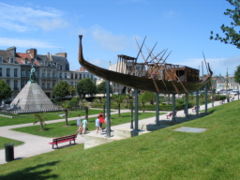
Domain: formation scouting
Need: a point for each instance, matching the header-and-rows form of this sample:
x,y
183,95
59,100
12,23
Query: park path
x,y
34,145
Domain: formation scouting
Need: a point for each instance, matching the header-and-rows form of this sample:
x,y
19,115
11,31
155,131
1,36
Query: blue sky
x,y
111,27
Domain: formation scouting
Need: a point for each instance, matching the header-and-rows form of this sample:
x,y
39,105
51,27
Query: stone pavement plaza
x,y
34,145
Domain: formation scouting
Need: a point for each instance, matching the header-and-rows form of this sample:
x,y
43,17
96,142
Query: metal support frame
x,y
206,99
197,103
213,93
135,110
186,105
238,92
131,108
108,108
174,107
157,108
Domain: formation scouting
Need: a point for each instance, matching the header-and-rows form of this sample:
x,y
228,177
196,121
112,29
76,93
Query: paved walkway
x,y
34,145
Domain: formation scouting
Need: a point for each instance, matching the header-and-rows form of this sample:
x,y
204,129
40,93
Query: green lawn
x,y
29,118
4,141
60,129
163,154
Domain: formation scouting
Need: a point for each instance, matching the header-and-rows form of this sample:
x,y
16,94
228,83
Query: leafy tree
x,y
74,102
101,88
66,106
237,74
72,90
145,97
40,119
86,86
231,32
61,89
5,90
118,98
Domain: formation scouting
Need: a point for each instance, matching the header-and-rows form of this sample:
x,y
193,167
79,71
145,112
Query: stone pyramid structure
x,y
32,99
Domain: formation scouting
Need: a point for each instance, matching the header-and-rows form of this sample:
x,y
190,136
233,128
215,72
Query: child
x,y
101,120
84,126
80,126
97,124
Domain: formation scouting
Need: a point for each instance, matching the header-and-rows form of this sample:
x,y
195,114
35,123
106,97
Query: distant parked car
x,y
234,92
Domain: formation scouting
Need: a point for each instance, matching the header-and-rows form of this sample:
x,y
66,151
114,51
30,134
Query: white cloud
x,y
25,43
21,18
110,41
218,65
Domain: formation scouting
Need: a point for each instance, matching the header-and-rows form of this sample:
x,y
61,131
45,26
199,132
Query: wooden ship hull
x,y
143,83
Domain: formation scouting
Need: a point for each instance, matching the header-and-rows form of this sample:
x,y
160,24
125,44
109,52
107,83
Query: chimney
x,y
63,54
32,52
12,50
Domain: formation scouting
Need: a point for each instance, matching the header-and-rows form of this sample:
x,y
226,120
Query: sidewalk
x,y
34,145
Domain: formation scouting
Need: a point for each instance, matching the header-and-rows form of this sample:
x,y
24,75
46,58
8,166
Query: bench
x,y
62,139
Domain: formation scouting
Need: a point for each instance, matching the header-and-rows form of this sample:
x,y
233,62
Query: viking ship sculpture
x,y
152,75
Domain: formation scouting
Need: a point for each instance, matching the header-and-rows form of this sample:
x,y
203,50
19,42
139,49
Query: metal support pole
x,y
135,110
197,103
174,107
206,98
213,99
131,125
186,105
104,105
108,108
238,92
157,108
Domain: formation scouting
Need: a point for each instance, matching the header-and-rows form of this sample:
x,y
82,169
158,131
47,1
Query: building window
x,y
0,72
8,82
8,72
15,72
1,59
23,73
15,85
10,60
43,85
60,75
48,85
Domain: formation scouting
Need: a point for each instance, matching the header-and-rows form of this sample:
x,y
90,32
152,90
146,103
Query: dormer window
x,y
10,60
1,59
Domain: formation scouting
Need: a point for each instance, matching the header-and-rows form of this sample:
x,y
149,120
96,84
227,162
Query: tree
x,y
66,106
237,74
72,90
231,32
86,86
118,98
146,96
5,90
40,119
61,90
101,88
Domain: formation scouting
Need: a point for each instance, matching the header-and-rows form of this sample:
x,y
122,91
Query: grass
x,y
59,129
29,118
164,154
4,141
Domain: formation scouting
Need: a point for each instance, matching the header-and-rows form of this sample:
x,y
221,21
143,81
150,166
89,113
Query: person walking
x,y
97,124
101,121
80,126
84,126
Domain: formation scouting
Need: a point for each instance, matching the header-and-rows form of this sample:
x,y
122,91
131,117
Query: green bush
x,y
220,97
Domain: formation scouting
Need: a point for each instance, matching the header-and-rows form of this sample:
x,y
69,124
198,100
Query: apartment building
x,y
15,69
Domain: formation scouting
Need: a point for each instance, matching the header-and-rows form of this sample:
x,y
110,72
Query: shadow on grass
x,y
32,173
178,120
